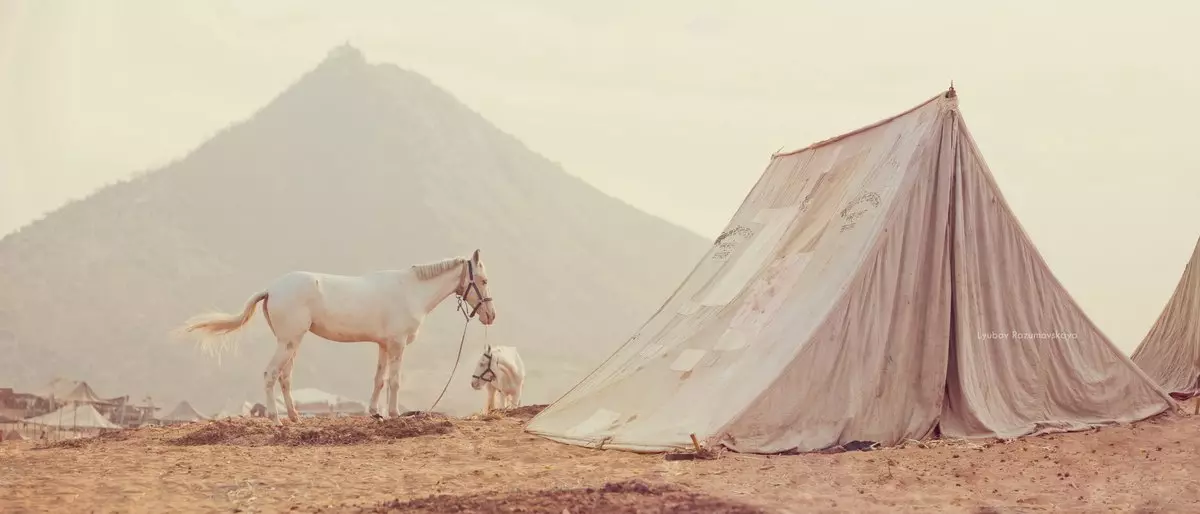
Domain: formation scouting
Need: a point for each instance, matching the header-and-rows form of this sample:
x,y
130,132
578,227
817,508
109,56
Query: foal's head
x,y
483,369
474,290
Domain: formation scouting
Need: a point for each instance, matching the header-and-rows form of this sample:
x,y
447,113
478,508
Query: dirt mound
x,y
526,412
633,496
65,443
83,442
315,431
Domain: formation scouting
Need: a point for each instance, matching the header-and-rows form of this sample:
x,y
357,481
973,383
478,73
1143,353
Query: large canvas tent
x,y
874,286
1170,352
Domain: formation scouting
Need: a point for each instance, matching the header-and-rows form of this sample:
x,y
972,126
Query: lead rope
x,y
461,341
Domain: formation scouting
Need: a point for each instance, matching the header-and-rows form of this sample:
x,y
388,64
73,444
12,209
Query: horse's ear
x,y
475,257
489,349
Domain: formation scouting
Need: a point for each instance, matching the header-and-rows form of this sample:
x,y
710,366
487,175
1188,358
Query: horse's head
x,y
474,290
483,370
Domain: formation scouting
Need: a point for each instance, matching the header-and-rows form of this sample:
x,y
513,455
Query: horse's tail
x,y
213,326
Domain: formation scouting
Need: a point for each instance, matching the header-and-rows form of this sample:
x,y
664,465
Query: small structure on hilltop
x,y
1170,352
183,413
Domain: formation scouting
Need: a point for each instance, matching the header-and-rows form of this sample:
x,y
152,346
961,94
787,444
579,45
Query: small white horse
x,y
501,368
383,307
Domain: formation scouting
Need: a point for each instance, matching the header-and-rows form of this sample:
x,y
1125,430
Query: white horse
x,y
383,307
501,368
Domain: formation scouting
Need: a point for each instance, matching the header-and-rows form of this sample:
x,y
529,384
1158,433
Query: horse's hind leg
x,y
274,368
285,379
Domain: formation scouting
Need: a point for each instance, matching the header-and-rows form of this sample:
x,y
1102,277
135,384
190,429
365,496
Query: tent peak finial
x,y
950,93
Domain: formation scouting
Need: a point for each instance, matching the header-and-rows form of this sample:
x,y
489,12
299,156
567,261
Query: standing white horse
x,y
501,368
383,307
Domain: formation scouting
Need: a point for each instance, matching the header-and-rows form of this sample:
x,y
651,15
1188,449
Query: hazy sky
x,y
1085,109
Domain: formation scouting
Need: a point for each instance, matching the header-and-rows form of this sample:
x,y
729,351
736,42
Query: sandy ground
x,y
490,465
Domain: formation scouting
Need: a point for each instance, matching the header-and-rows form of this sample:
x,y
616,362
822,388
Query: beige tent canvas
x,y
76,415
63,390
1170,353
184,412
874,286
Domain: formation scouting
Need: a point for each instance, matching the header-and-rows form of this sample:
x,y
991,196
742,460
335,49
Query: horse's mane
x,y
437,269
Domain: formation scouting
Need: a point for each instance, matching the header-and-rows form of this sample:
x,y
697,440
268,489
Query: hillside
x,y
355,167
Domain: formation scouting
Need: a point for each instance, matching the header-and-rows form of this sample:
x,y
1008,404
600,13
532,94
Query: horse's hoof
x,y
377,417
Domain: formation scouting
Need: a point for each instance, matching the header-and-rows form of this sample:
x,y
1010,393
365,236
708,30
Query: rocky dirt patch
x,y
524,413
315,431
83,442
633,496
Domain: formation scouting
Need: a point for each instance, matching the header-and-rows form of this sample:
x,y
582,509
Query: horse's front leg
x,y
491,399
380,372
395,359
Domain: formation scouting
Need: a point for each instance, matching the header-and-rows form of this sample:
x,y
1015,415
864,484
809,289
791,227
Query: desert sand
x,y
429,463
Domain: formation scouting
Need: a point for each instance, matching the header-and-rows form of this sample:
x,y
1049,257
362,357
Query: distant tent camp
x,y
234,410
62,391
183,413
1170,352
74,416
316,401
875,287
13,435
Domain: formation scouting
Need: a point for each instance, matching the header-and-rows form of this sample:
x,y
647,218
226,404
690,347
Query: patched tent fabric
x,y
1170,352
874,286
